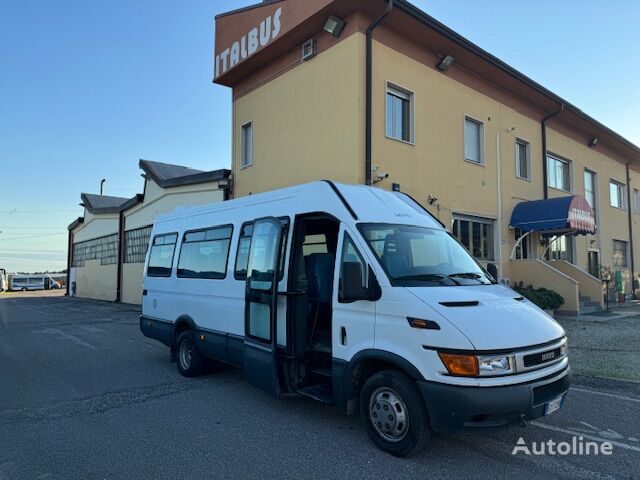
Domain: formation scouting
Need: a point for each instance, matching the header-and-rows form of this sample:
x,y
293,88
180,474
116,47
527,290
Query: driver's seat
x,y
395,262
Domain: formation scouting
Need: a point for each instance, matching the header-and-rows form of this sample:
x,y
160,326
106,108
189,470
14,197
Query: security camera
x,y
432,199
382,176
378,175
511,129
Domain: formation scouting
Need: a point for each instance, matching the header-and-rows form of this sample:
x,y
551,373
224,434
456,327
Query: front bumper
x,y
453,407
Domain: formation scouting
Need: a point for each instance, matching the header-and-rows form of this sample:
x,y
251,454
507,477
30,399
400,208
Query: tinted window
x,y
353,268
204,253
161,256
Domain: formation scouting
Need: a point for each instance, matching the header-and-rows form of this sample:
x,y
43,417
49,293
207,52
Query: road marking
x,y
585,435
620,397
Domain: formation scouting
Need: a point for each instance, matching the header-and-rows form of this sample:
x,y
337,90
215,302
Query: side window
x,y
244,242
161,256
353,268
242,256
204,253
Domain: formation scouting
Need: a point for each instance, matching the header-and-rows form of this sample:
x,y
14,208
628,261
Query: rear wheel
x,y
24,289
394,413
188,358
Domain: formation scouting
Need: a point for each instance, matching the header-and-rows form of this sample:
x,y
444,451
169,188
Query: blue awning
x,y
562,215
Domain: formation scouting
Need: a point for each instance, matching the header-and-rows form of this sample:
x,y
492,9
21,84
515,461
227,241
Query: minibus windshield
x,y
419,256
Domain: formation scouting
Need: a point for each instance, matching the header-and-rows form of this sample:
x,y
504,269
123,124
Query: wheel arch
x,y
350,376
182,323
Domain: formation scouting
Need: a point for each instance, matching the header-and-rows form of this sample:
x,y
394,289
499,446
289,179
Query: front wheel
x,y
188,358
394,413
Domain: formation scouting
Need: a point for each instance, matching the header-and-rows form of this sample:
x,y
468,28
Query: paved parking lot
x,y
84,395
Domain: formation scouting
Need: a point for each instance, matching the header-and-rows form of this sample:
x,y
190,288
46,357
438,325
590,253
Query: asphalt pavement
x,y
83,395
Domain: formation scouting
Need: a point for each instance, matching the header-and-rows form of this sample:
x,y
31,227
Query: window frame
x,y
226,262
621,193
482,221
594,177
129,254
520,142
173,255
636,201
286,222
243,142
236,274
390,88
626,253
481,147
569,164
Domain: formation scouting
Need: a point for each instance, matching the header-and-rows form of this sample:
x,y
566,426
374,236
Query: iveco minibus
x,y
354,296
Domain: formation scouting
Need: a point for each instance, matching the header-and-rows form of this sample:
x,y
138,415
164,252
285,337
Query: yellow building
x,y
378,92
108,244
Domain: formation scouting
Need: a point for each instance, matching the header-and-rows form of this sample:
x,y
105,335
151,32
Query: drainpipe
x,y
369,91
630,214
544,149
69,254
120,256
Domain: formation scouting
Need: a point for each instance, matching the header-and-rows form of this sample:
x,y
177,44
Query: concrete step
x,y
588,310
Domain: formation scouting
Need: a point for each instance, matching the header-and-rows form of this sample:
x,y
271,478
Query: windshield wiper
x,y
429,277
469,275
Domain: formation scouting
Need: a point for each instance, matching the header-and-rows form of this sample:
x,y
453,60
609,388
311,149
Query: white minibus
x,y
33,282
354,296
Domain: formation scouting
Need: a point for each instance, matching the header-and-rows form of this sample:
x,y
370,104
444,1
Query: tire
x,y
25,289
405,428
189,359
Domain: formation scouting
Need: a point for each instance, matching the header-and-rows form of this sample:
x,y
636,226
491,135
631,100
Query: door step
x,y
317,392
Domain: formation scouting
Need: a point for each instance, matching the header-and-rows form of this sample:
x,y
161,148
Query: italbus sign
x,y
258,37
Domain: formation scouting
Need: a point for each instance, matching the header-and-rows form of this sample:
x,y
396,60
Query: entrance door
x,y
594,264
261,298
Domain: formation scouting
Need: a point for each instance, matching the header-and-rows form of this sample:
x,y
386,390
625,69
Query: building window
x,y
561,248
619,254
161,256
616,193
204,253
246,145
400,114
636,200
473,141
136,243
476,234
590,189
523,160
104,249
559,173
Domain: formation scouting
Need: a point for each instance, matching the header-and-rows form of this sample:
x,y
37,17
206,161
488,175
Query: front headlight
x,y
489,365
478,365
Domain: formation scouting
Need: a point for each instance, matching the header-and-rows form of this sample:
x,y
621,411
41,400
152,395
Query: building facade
x,y
378,92
108,245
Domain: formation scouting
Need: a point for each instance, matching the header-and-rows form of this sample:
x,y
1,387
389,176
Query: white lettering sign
x,y
258,37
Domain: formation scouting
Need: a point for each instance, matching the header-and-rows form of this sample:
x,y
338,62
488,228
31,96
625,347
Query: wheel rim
x,y
388,414
185,353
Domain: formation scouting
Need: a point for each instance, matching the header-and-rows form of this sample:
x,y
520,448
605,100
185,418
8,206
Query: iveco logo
x,y
548,355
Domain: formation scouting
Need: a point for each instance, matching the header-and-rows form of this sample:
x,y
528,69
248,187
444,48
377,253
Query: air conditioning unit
x,y
309,49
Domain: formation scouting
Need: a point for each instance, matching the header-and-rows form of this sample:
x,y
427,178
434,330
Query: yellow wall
x,y
308,124
132,274
96,281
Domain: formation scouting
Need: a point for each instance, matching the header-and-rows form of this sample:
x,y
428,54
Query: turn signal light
x,y
461,365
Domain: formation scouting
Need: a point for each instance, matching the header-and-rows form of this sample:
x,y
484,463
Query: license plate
x,y
553,405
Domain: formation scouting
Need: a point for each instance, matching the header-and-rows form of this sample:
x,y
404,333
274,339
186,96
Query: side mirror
x,y
351,287
493,270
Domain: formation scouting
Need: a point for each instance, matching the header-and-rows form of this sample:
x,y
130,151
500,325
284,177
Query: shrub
x,y
542,297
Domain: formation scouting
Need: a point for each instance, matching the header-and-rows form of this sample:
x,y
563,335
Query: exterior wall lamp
x,y
445,63
334,26
593,142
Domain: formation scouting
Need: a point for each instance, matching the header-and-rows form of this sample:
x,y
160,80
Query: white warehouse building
x,y
108,244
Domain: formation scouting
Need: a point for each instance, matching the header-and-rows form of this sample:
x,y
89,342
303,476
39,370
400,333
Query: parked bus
x,y
353,296
33,282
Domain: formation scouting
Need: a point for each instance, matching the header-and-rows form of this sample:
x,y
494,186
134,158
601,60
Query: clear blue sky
x,y
87,88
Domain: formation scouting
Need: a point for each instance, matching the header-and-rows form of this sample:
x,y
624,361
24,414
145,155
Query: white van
x,y
353,296
33,282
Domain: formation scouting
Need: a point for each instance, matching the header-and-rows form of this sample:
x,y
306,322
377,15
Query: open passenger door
x,y
261,299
